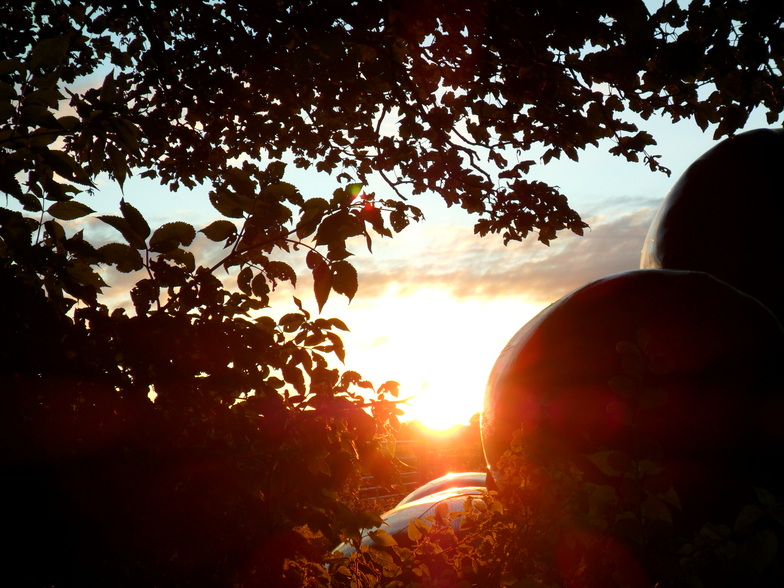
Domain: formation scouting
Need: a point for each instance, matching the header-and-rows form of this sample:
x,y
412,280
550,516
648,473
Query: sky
x,y
437,304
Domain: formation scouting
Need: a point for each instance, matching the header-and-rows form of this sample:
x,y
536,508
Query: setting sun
x,y
438,347
438,410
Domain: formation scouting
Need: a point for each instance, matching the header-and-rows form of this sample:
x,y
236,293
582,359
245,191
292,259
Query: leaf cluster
x,y
430,100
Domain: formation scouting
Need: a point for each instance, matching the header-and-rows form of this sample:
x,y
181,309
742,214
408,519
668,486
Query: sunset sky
x,y
436,304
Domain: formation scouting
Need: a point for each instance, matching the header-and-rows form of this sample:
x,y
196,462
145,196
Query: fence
x,y
425,460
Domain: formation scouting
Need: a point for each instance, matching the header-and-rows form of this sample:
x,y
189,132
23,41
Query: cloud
x,y
452,259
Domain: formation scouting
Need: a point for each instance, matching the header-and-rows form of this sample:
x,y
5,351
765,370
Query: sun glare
x,y
439,348
440,410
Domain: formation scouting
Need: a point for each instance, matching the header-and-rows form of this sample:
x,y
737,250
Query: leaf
x,y
414,531
47,97
259,286
291,321
337,346
398,220
7,92
275,171
219,230
344,279
338,324
749,515
127,133
391,387
48,53
280,191
601,501
655,509
171,235
293,375
281,271
66,166
442,511
10,185
68,123
181,257
312,212
381,538
122,225
84,274
69,210
764,496
118,164
108,92
612,463
135,219
124,257
322,277
225,203
368,519
243,280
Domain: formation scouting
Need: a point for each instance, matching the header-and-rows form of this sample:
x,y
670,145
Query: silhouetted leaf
x,y
122,225
171,235
243,280
219,230
344,279
49,52
69,210
66,166
126,258
135,219
322,277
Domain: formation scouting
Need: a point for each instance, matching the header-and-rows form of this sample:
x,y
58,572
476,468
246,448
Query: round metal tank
x,y
723,216
707,362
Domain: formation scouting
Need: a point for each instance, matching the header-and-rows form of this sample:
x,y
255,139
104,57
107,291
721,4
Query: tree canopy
x,y
241,468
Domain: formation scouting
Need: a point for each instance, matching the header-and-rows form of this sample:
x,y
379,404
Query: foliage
x,y
565,514
555,528
237,471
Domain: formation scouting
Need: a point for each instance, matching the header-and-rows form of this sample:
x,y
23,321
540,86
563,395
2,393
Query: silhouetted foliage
x,y
236,473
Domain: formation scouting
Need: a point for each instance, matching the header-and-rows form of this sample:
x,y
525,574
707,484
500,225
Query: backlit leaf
x,y
49,52
66,166
243,280
135,219
124,257
171,235
122,225
344,279
382,538
219,230
414,532
69,210
225,203
338,324
322,277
